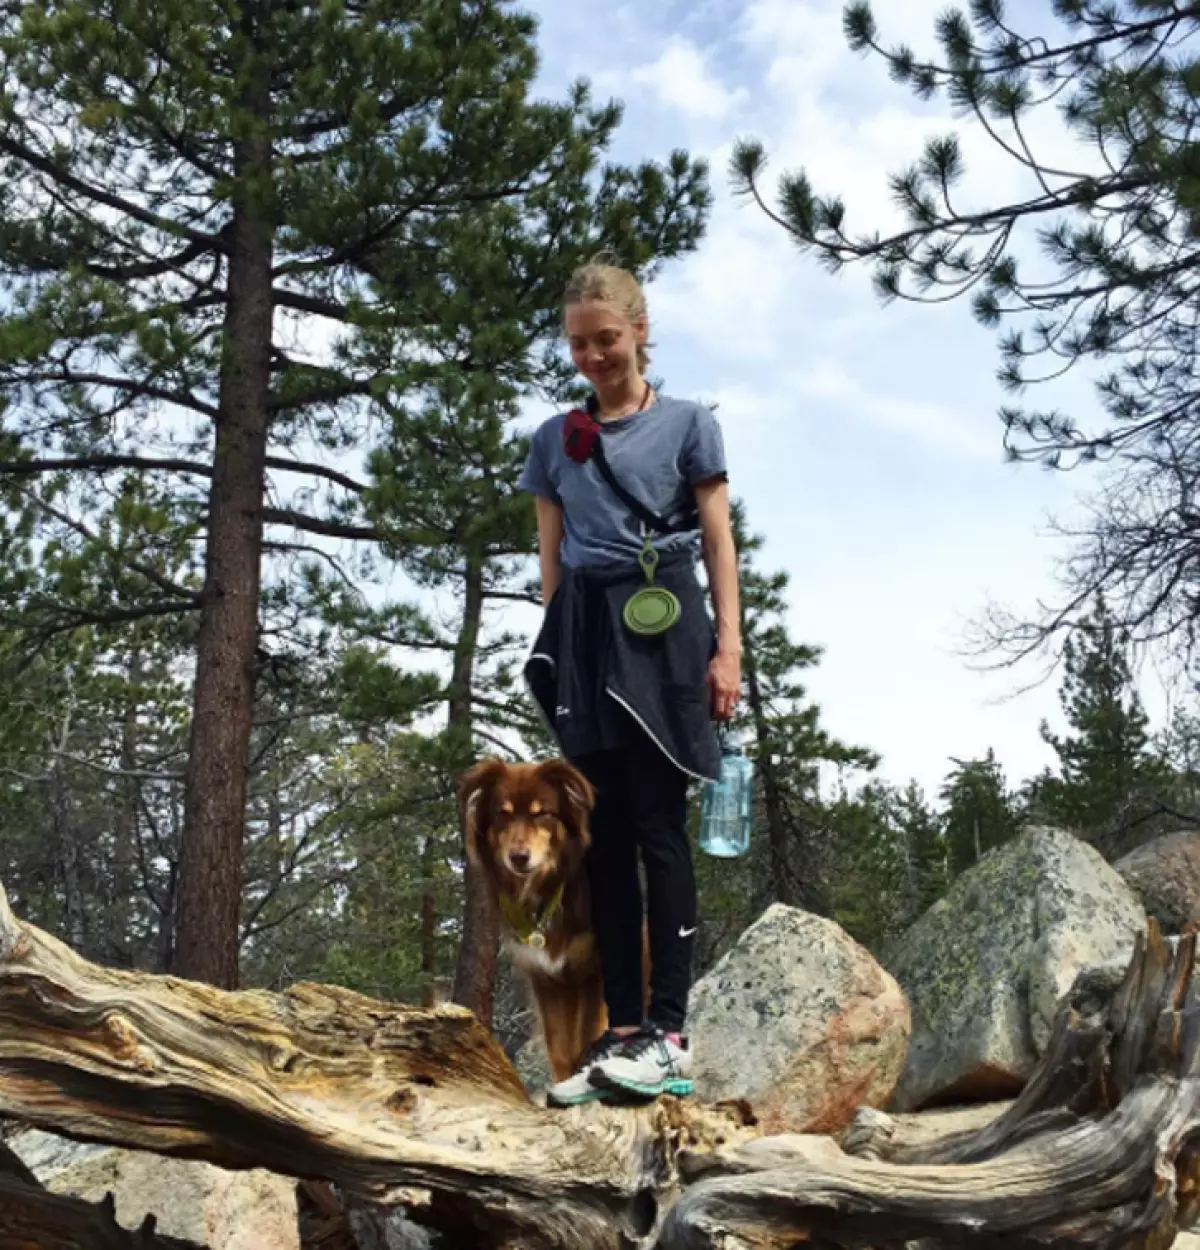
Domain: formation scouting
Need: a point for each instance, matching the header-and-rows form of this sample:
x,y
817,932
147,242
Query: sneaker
x,y
647,1063
577,1088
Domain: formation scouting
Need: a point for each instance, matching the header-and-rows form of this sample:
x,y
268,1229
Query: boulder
x,y
987,966
800,1020
222,1210
1165,875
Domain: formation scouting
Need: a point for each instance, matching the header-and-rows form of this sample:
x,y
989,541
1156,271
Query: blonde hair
x,y
600,281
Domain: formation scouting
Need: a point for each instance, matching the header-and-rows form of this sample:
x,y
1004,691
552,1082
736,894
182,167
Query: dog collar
x,y
529,930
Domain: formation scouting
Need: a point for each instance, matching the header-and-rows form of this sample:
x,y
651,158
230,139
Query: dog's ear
x,y
578,796
474,798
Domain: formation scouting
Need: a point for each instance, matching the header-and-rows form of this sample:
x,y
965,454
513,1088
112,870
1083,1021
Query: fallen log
x,y
396,1106
420,1109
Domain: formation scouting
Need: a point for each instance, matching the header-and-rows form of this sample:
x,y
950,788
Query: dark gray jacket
x,y
661,682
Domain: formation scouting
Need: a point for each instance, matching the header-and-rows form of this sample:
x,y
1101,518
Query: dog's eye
x,y
546,818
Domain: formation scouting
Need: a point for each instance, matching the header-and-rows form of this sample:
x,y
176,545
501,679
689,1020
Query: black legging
x,y
641,804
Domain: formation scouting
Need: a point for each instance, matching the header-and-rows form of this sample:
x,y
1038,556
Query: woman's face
x,y
603,342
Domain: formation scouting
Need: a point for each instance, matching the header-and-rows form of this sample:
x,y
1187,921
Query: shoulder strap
x,y
635,505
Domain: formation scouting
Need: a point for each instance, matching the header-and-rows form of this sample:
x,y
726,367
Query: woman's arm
x,y
550,532
720,559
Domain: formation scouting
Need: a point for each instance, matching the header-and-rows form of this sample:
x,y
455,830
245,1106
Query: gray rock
x,y
253,1210
47,1155
800,1020
388,1230
1165,875
987,966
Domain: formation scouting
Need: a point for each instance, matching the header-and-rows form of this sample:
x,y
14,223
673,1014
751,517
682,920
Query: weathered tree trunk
x,y
421,1110
475,972
429,920
210,875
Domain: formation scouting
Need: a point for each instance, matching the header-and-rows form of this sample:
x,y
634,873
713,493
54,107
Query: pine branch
x,y
103,617
320,525
109,199
132,386
315,304
149,572
104,463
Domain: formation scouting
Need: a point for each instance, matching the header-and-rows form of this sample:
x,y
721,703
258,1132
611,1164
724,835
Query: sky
x,y
863,438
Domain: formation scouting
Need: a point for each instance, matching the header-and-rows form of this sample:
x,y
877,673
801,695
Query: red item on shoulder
x,y
580,432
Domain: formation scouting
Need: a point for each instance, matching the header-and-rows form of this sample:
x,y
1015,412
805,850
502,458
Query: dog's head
x,y
525,823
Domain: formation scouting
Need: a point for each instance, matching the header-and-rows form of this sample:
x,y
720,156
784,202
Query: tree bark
x,y
125,826
428,924
68,858
210,873
475,972
781,874
421,1110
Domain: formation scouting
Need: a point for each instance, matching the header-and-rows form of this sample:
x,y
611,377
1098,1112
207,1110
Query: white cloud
x,y
681,78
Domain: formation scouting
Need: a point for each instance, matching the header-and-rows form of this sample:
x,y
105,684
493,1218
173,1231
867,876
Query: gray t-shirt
x,y
658,456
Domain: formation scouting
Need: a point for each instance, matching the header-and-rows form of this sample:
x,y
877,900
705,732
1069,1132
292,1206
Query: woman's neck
x,y
624,397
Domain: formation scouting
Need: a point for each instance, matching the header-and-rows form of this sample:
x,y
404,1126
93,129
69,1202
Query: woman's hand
x,y
724,683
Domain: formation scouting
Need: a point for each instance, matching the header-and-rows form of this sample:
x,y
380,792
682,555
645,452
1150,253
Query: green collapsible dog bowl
x,y
651,609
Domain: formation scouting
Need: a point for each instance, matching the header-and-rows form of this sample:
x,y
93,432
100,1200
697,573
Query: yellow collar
x,y
530,931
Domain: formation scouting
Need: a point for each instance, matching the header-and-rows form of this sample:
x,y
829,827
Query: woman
x,y
638,477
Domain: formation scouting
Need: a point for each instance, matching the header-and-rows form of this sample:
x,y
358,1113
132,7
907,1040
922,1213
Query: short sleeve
x,y
535,477
704,450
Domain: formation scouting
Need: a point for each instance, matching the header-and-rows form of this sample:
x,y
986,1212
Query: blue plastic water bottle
x,y
727,805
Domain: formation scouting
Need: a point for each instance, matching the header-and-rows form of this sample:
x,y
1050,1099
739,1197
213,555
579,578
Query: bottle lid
x,y
733,741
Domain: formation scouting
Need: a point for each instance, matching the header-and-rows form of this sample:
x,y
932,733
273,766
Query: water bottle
x,y
727,804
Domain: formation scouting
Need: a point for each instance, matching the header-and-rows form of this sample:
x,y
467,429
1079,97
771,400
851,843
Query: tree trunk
x,y
780,873
210,873
475,973
125,826
428,924
784,878
421,1110
67,844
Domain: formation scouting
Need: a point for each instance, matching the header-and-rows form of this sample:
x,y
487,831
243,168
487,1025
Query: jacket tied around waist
x,y
584,655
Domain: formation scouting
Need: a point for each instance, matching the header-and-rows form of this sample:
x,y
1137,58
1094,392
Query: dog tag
x,y
537,941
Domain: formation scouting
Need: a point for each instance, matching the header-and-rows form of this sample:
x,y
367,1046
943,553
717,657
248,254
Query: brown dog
x,y
526,828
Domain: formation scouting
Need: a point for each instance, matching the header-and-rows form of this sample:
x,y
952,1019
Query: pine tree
x,y
979,812
928,867
193,192
1114,285
1179,748
889,860
1107,769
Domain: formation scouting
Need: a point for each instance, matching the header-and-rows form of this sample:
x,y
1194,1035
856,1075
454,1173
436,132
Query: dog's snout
x,y
520,859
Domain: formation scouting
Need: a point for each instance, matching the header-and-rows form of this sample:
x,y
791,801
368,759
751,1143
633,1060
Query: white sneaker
x,y
647,1063
577,1088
